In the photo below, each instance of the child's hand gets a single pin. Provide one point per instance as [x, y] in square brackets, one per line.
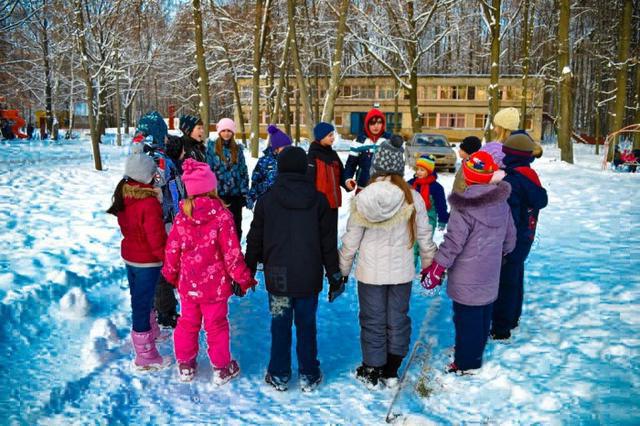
[336, 285]
[237, 289]
[350, 184]
[442, 226]
[432, 276]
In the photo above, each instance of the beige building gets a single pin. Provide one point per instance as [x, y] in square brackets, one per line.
[453, 105]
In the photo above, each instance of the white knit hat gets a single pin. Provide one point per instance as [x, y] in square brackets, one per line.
[139, 166]
[507, 118]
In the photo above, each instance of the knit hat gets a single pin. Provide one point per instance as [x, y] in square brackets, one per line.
[198, 177]
[321, 130]
[139, 166]
[427, 162]
[226, 124]
[470, 144]
[519, 143]
[292, 159]
[188, 123]
[479, 168]
[278, 138]
[389, 158]
[507, 118]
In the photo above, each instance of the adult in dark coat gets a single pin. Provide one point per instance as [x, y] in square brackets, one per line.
[292, 235]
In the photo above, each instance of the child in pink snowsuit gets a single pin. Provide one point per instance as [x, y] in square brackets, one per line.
[203, 258]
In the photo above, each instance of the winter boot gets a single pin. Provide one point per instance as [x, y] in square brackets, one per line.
[369, 376]
[158, 334]
[280, 384]
[500, 335]
[187, 371]
[223, 375]
[309, 383]
[147, 356]
[390, 371]
[168, 319]
[453, 368]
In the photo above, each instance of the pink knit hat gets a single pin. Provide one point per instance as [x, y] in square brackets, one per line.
[226, 124]
[198, 177]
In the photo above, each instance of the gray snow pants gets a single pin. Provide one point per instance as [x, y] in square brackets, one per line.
[385, 326]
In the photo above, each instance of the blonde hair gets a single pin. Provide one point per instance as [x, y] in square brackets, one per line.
[501, 133]
[189, 202]
[398, 181]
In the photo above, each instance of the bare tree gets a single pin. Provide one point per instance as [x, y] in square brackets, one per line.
[564, 64]
[203, 74]
[624, 37]
[336, 63]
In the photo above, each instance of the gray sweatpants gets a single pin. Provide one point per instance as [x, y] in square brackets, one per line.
[385, 326]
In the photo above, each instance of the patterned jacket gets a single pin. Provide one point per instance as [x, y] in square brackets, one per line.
[263, 176]
[233, 179]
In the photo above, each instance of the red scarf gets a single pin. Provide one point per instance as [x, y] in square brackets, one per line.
[424, 188]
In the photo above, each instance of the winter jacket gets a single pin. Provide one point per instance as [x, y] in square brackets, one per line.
[526, 199]
[438, 211]
[480, 231]
[263, 176]
[378, 230]
[459, 185]
[326, 172]
[362, 149]
[203, 256]
[495, 149]
[194, 149]
[233, 179]
[141, 225]
[293, 235]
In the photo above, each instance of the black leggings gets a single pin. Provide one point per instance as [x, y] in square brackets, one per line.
[235, 203]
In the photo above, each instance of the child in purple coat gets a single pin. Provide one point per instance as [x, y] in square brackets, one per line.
[480, 232]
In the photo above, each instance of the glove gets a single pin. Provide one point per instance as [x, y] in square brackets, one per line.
[432, 276]
[336, 285]
[442, 226]
[241, 292]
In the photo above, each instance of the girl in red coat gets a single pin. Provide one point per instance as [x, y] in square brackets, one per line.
[204, 260]
[139, 214]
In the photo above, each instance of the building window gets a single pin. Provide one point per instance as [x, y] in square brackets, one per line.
[386, 92]
[338, 119]
[345, 91]
[480, 120]
[448, 120]
[453, 92]
[432, 92]
[429, 120]
[471, 93]
[528, 122]
[481, 93]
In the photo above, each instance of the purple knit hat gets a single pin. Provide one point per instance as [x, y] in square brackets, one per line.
[278, 138]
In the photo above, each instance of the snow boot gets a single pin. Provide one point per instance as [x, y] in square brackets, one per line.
[168, 319]
[453, 368]
[157, 333]
[309, 383]
[147, 356]
[223, 375]
[187, 371]
[390, 371]
[281, 384]
[369, 376]
[500, 335]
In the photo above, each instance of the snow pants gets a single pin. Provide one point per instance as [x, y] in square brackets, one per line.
[385, 326]
[216, 325]
[285, 311]
[142, 287]
[472, 325]
[508, 307]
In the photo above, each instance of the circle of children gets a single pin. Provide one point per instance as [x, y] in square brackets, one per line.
[295, 197]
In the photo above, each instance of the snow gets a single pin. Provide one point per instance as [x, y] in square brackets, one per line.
[566, 69]
[66, 317]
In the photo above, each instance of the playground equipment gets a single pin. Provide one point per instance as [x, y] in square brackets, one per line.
[12, 118]
[629, 161]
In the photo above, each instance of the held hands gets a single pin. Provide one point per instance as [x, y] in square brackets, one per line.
[350, 184]
[336, 285]
[432, 276]
[239, 291]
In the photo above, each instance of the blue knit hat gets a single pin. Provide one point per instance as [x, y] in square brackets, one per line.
[322, 129]
[278, 138]
[188, 123]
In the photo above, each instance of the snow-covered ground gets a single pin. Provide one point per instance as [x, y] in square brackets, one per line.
[65, 354]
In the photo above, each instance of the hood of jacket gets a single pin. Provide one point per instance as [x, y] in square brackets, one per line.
[380, 204]
[135, 191]
[204, 210]
[371, 114]
[294, 191]
[484, 202]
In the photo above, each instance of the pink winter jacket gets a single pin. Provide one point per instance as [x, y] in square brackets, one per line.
[203, 255]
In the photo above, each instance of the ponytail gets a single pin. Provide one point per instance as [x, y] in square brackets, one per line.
[117, 201]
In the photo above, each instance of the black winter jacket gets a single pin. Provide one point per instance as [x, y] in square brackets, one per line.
[293, 235]
[194, 149]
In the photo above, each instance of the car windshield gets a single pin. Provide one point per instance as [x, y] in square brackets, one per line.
[431, 141]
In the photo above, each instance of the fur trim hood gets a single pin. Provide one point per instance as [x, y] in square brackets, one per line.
[138, 192]
[380, 205]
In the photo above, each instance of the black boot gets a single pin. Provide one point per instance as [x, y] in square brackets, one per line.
[390, 370]
[369, 376]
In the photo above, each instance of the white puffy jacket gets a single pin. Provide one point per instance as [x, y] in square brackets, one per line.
[377, 229]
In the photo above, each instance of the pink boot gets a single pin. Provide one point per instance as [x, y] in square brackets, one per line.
[158, 334]
[147, 356]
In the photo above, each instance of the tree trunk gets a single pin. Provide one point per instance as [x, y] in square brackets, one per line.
[416, 124]
[287, 107]
[282, 86]
[71, 109]
[127, 117]
[118, 102]
[303, 93]
[396, 107]
[334, 82]
[492, 14]
[47, 75]
[636, 138]
[95, 137]
[203, 75]
[526, 41]
[297, 140]
[565, 120]
[624, 38]
[255, 97]
[597, 124]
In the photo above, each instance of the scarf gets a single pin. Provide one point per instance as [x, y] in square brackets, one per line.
[424, 183]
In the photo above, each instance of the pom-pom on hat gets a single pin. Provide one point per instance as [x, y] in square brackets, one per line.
[471, 144]
[139, 166]
[226, 124]
[427, 162]
[507, 118]
[198, 177]
[321, 130]
[519, 143]
[292, 159]
[277, 138]
[188, 123]
[479, 168]
[389, 158]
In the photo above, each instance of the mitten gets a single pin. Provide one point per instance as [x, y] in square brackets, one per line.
[336, 285]
[237, 289]
[432, 276]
